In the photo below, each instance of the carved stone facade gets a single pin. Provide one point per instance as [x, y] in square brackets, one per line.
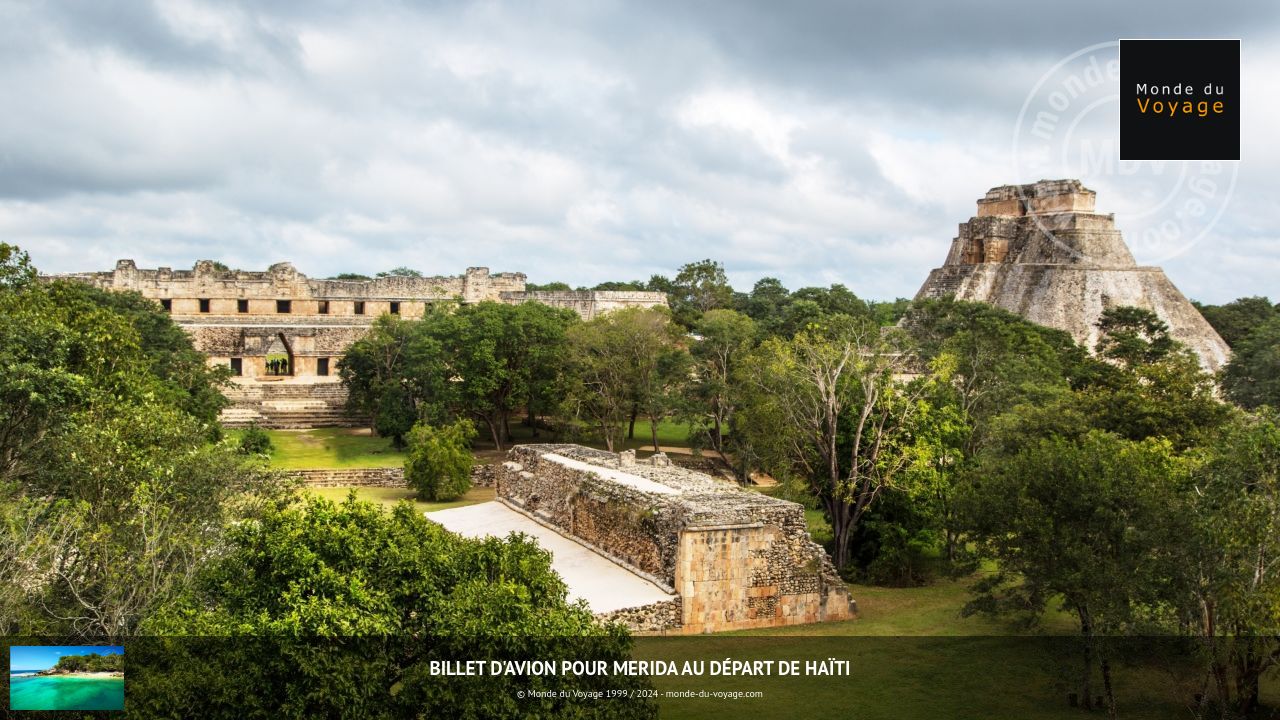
[734, 559]
[1041, 251]
[248, 319]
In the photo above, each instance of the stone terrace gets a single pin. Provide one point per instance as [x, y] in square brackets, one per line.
[737, 559]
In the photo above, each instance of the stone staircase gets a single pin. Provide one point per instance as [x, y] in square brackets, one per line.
[288, 406]
[946, 280]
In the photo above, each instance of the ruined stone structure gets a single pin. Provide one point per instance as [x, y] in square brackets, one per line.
[282, 333]
[1041, 251]
[731, 559]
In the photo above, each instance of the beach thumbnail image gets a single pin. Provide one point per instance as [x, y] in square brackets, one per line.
[66, 677]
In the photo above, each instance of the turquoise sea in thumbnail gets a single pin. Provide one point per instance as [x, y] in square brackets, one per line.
[34, 692]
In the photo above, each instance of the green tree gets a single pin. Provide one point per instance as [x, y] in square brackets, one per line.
[623, 363]
[723, 338]
[500, 357]
[16, 270]
[401, 271]
[439, 462]
[1133, 336]
[1078, 519]
[994, 361]
[350, 276]
[1252, 376]
[835, 300]
[482, 361]
[396, 414]
[829, 407]
[699, 287]
[400, 591]
[889, 312]
[145, 501]
[1146, 384]
[551, 286]
[622, 285]
[376, 369]
[766, 304]
[1236, 320]
[1223, 536]
[108, 468]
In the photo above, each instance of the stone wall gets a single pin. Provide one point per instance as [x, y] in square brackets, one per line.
[481, 476]
[751, 576]
[356, 477]
[657, 618]
[588, 303]
[484, 475]
[737, 559]
[282, 281]
[239, 317]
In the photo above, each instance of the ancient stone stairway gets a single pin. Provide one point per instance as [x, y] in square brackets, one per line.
[288, 406]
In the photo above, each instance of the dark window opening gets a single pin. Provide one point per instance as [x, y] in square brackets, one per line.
[284, 306]
[395, 308]
[167, 304]
[204, 305]
[322, 366]
[323, 307]
[237, 367]
[359, 307]
[242, 306]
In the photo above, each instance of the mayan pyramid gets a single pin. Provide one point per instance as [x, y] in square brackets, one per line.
[1041, 251]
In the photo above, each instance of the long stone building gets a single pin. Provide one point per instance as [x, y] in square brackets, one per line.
[282, 333]
[660, 548]
[1042, 251]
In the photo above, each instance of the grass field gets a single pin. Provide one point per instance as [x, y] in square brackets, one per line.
[342, 448]
[913, 656]
[389, 497]
[670, 434]
[331, 448]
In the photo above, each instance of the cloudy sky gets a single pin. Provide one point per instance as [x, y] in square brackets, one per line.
[585, 141]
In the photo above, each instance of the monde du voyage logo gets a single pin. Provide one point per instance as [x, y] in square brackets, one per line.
[1180, 99]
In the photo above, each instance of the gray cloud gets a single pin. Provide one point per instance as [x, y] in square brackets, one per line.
[579, 141]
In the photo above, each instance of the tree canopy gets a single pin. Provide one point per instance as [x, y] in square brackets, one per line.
[401, 591]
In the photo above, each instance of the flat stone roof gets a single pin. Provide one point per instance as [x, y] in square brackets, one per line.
[618, 476]
[604, 584]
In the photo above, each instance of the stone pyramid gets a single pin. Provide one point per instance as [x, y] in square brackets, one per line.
[1041, 251]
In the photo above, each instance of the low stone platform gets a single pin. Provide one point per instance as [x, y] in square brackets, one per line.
[722, 558]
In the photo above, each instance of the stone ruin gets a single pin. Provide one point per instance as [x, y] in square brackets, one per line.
[1041, 251]
[282, 333]
[731, 559]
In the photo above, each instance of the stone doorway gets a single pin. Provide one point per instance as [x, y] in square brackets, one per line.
[279, 360]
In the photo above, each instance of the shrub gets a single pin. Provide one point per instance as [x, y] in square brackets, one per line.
[439, 461]
[255, 441]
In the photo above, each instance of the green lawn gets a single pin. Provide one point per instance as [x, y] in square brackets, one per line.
[337, 448]
[389, 497]
[670, 434]
[331, 448]
[914, 657]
